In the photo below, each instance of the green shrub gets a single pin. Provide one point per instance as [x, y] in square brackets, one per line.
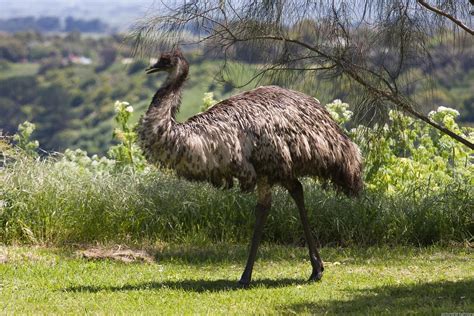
[23, 139]
[126, 153]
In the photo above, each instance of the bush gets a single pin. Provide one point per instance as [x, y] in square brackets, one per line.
[23, 139]
[406, 154]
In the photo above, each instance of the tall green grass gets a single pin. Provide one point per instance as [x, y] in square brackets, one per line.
[45, 202]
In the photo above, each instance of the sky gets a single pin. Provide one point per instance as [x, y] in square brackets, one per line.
[118, 13]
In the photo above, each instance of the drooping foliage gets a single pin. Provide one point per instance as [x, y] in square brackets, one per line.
[372, 44]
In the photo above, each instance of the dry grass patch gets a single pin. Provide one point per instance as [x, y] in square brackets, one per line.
[117, 254]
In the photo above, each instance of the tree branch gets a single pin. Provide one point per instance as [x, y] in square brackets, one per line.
[349, 69]
[405, 106]
[247, 23]
[447, 15]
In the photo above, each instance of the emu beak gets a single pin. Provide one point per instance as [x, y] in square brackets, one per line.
[151, 70]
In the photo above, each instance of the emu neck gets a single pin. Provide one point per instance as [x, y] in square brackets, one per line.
[158, 124]
[166, 101]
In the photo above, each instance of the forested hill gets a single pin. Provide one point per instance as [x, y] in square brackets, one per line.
[67, 86]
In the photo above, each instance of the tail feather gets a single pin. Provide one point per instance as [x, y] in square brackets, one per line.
[348, 177]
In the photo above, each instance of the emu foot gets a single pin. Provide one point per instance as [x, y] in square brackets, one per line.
[244, 284]
[317, 274]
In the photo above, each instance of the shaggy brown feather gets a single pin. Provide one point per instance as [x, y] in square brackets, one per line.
[268, 132]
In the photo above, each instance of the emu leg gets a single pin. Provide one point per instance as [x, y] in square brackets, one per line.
[261, 213]
[296, 191]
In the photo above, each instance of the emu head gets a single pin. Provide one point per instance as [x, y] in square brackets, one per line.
[171, 62]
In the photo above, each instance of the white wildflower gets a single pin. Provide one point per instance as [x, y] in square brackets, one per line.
[339, 111]
[441, 112]
[129, 109]
[208, 101]
[121, 105]
[118, 106]
[451, 111]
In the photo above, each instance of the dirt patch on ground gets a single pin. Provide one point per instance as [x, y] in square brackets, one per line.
[119, 254]
[3, 255]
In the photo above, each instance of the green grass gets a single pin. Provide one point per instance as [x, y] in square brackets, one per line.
[190, 280]
[19, 69]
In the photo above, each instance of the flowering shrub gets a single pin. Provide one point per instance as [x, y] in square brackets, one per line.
[126, 153]
[339, 111]
[79, 159]
[408, 156]
[23, 139]
[207, 101]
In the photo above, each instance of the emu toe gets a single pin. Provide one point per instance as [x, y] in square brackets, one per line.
[316, 276]
[244, 284]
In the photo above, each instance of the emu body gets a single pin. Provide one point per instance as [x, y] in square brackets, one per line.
[262, 137]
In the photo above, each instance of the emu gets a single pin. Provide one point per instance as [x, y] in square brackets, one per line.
[263, 137]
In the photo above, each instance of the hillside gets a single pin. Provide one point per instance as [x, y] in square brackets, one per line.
[68, 85]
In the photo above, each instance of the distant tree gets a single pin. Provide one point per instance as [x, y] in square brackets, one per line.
[108, 56]
[54, 116]
[29, 36]
[84, 26]
[370, 44]
[22, 90]
[48, 24]
[17, 96]
[12, 49]
[29, 23]
[469, 109]
[12, 115]
[137, 66]
[18, 24]
[74, 36]
[50, 64]
[4, 65]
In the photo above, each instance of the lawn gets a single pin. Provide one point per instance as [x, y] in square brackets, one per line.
[190, 280]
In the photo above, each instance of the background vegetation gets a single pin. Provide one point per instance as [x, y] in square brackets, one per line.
[419, 191]
[67, 85]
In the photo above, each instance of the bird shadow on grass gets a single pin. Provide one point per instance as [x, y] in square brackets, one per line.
[201, 255]
[227, 253]
[422, 298]
[197, 286]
